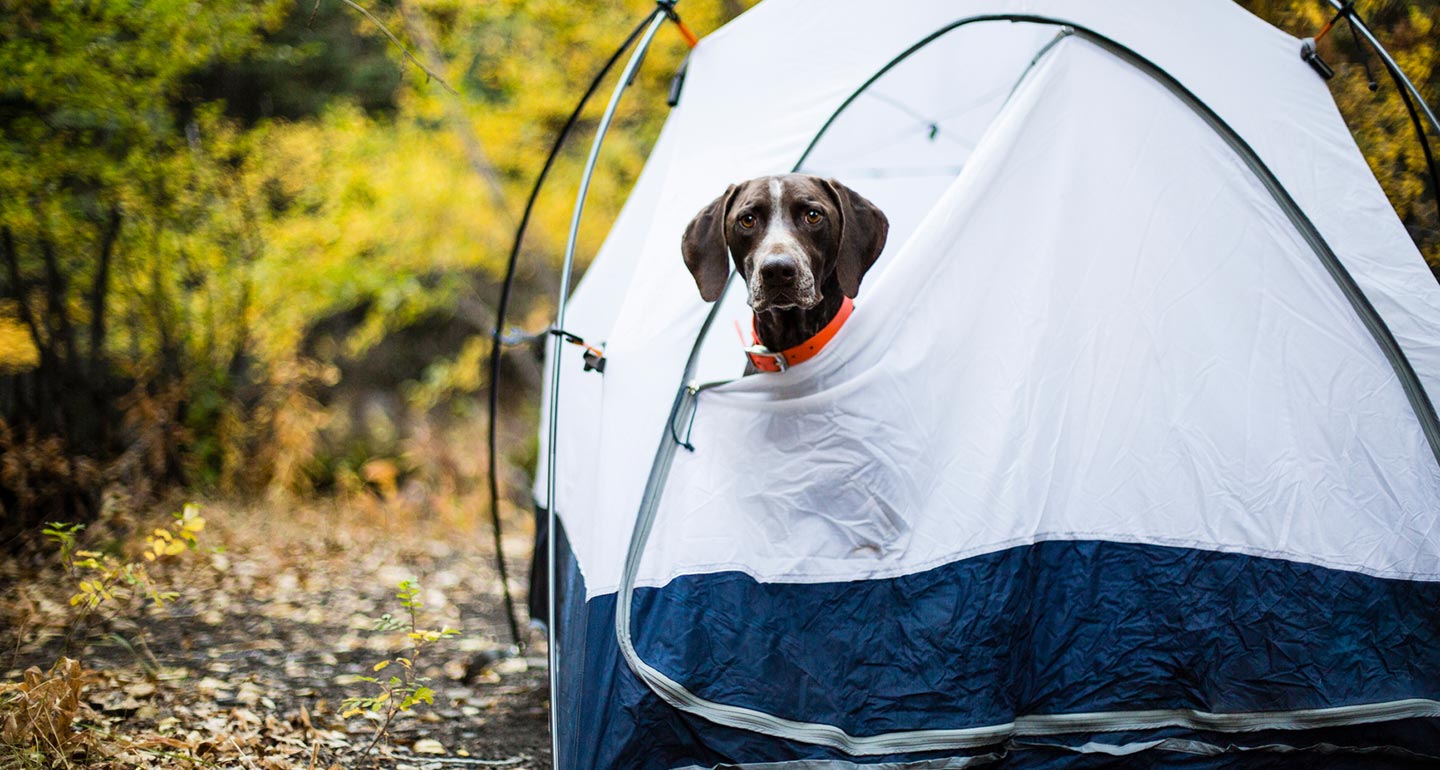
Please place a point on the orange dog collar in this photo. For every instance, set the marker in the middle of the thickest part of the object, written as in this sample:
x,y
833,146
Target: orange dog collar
x,y
767,360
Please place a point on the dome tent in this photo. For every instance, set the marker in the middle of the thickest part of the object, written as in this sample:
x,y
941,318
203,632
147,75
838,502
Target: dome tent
x,y
1127,448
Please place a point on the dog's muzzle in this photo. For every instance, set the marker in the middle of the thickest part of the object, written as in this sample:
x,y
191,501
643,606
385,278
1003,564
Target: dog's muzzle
x,y
782,281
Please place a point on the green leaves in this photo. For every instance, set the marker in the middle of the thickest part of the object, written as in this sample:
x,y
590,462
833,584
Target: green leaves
x,y
64,535
409,595
418,695
247,261
403,691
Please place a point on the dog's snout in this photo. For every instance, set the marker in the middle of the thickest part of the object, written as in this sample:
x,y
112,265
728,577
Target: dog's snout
x,y
779,270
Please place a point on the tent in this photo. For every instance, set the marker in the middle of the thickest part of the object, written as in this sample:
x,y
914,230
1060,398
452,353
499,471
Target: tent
x,y
1127,450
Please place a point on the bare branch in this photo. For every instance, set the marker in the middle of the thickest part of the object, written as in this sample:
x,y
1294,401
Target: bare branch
x,y
428,72
100,289
57,314
419,30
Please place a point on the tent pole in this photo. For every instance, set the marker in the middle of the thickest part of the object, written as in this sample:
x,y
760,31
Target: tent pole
x,y
502,309
1359,24
565,274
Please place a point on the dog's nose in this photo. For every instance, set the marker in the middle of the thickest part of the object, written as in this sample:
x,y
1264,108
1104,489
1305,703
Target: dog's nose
x,y
778,269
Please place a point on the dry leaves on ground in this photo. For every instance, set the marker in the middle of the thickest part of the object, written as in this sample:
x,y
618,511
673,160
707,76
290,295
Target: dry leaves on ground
x,y
248,667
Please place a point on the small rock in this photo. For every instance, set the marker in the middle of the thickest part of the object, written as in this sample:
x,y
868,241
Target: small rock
x,y
511,666
428,746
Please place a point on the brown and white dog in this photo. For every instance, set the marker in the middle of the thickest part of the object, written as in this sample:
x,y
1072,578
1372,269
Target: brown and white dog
x,y
801,243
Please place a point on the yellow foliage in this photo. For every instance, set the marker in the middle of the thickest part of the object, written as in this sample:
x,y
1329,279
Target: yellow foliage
x,y
17,347
1378,119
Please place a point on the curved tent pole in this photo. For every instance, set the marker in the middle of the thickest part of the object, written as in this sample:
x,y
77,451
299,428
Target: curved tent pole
x,y
1409,94
1403,80
626,77
502,309
678,696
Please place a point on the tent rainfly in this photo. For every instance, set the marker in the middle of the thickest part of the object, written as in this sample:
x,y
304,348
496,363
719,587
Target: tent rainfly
x,y
1126,450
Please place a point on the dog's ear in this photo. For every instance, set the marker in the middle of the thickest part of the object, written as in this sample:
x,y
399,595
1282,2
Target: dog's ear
x,y
706,251
863,228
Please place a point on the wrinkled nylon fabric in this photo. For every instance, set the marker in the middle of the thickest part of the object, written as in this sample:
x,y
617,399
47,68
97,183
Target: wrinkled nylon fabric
x,y
1102,430
1062,627
1172,366
638,299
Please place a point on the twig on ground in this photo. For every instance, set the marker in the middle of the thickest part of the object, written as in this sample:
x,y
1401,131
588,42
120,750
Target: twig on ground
x,y
243,755
469,761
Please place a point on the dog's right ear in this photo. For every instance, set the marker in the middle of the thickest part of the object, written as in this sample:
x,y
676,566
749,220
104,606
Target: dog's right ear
x,y
706,251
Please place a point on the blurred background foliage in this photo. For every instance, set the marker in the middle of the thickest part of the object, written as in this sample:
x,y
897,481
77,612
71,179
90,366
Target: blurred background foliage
x,y
1378,118
247,249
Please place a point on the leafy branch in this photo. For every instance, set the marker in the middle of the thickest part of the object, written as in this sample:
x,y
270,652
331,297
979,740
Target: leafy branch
x,y
403,691
107,581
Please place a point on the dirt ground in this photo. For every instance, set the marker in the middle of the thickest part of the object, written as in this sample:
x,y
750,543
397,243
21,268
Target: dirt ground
x,y
249,665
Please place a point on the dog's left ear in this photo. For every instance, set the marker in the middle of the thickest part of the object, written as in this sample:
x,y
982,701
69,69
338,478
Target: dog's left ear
x,y
863,228
706,251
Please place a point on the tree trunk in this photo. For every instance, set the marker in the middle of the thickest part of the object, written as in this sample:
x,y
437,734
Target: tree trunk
x,y
98,368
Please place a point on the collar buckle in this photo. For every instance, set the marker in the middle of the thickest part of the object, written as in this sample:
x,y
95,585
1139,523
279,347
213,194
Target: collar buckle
x,y
760,352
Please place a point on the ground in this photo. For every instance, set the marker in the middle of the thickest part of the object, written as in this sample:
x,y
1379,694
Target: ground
x,y
248,666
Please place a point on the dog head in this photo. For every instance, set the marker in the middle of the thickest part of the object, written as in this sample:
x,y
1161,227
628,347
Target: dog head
x,y
788,236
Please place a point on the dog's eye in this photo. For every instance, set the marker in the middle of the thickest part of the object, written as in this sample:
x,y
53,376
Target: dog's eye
x,y
747,221
813,216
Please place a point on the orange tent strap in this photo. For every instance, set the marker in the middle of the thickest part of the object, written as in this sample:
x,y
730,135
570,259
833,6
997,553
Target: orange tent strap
x,y
690,38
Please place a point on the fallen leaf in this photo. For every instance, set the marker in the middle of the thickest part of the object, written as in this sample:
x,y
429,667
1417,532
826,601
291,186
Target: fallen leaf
x,y
428,746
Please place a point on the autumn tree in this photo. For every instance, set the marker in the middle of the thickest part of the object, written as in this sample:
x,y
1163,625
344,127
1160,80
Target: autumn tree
x,y
228,230
208,219
101,173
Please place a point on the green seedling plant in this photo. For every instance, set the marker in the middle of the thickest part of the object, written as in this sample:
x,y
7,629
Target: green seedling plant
x,y
105,582
406,688
38,716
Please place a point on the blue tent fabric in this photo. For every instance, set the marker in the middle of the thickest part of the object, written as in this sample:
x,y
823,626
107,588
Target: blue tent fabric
x,y
1059,627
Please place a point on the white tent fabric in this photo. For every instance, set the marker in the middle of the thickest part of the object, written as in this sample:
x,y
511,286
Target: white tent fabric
x,y
638,298
1185,374
1092,322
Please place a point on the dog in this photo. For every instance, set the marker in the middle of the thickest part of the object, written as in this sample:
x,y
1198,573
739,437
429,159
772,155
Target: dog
x,y
801,243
